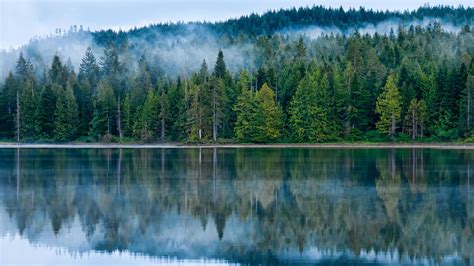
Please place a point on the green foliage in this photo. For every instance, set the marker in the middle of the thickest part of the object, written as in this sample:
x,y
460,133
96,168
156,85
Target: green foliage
x,y
66,116
45,110
309,109
146,123
269,116
246,110
28,103
333,88
104,111
388,107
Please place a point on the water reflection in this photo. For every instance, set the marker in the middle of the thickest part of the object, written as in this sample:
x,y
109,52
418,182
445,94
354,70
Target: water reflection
x,y
243,205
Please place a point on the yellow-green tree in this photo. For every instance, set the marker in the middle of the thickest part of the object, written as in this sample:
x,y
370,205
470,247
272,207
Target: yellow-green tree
x,y
388,107
269,116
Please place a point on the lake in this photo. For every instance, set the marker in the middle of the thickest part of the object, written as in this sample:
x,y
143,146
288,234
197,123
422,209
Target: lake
x,y
236,206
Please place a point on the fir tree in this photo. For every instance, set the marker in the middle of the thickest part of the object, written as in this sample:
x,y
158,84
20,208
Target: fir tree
x,y
269,116
388,107
66,116
246,110
102,124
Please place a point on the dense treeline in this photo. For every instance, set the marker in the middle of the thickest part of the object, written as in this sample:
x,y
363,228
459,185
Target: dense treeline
x,y
272,22
416,83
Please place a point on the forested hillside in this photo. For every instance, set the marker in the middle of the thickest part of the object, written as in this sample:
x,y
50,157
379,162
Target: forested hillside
x,y
269,80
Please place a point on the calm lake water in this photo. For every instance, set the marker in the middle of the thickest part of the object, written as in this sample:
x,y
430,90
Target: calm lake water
x,y
236,206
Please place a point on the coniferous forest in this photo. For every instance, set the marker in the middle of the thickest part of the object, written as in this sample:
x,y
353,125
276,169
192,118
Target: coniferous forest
x,y
414,82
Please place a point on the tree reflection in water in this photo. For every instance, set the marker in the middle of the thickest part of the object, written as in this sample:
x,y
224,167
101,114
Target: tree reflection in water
x,y
245,205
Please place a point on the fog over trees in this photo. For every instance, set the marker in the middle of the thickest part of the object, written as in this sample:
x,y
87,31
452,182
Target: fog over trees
x,y
257,79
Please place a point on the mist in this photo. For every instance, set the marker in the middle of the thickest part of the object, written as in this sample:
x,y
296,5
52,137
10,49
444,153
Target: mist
x,y
383,28
183,52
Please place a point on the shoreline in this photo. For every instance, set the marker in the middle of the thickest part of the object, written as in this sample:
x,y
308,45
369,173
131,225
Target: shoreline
x,y
469,146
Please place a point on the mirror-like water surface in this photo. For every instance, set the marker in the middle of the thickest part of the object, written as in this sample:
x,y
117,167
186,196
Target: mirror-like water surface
x,y
259,205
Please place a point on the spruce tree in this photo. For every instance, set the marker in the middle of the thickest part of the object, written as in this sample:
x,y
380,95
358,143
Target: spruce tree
x,y
103,122
146,124
45,110
220,68
246,110
88,78
269,116
388,107
66,116
8,107
309,110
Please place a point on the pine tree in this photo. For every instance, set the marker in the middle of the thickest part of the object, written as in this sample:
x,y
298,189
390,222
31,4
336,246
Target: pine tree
x,y
246,110
28,100
58,73
344,100
66,116
88,78
430,97
388,107
422,116
102,124
220,68
218,105
177,110
163,112
45,110
194,114
145,126
467,102
309,115
269,116
412,118
127,117
8,107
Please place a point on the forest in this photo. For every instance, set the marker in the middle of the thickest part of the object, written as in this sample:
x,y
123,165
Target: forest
x,y
413,83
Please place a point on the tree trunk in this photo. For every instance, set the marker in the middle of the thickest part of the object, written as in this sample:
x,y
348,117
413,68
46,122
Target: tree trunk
x,y
392,127
214,115
468,107
119,119
108,124
413,124
18,115
162,128
422,128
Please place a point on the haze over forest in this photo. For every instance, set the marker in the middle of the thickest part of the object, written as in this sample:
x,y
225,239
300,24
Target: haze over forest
x,y
311,74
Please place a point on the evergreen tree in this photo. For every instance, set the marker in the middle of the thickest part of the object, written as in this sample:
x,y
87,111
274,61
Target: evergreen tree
x,y
45,110
388,107
127,116
218,105
309,113
177,111
88,78
269,116
58,73
28,100
194,114
103,124
145,126
467,102
220,68
246,110
66,116
8,107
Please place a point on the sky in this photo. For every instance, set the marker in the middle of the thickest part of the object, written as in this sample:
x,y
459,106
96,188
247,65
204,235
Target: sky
x,y
20,20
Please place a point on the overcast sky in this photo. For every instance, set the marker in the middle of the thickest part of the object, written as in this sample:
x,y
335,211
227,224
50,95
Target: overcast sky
x,y
22,19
